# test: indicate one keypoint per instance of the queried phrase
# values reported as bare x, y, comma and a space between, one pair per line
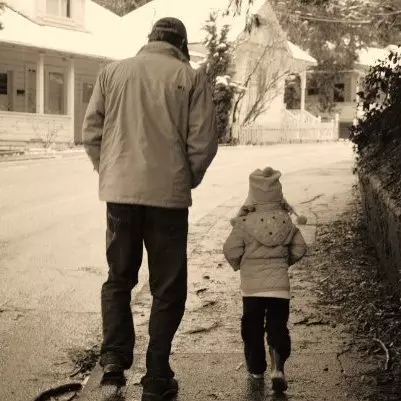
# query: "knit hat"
174, 26
264, 187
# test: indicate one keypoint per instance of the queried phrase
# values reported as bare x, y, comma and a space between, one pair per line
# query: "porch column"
71, 96
358, 108
358, 86
303, 89
40, 84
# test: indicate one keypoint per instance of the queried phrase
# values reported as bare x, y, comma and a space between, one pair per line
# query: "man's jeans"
164, 233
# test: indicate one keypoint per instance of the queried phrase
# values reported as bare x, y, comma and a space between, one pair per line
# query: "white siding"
76, 21
25, 7
17, 89
33, 127
78, 12
23, 126
86, 71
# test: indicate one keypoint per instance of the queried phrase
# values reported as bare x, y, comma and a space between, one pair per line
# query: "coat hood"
270, 228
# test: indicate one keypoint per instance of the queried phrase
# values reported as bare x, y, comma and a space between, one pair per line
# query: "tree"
219, 72
122, 7
262, 63
292, 93
1, 12
333, 32
380, 102
377, 134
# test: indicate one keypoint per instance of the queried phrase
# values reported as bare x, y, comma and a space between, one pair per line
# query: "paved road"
52, 260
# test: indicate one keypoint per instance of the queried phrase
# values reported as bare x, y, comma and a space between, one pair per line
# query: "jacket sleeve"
202, 140
92, 129
297, 247
234, 248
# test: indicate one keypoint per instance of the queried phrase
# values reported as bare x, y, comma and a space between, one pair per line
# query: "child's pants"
264, 315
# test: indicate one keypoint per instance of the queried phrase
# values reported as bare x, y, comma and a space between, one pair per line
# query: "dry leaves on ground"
356, 293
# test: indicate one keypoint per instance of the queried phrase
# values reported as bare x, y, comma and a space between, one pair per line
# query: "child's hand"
287, 207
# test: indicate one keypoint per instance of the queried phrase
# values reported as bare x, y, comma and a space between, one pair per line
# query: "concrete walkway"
207, 352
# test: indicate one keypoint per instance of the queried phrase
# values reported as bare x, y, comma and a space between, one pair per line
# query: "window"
31, 96
313, 91
3, 84
339, 93
59, 8
56, 93
87, 92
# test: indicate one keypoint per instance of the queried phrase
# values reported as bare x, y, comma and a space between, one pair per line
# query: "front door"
86, 89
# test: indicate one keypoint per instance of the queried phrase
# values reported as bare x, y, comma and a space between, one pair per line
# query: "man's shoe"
113, 374
158, 389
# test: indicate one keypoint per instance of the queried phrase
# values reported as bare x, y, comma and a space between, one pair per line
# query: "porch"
296, 126
43, 95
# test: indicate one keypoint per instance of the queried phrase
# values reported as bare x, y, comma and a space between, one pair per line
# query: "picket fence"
296, 126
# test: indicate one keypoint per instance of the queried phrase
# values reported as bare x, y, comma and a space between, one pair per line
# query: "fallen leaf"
239, 366
208, 303
201, 290
302, 321
203, 329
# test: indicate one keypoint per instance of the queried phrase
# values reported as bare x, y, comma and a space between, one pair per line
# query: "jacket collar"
163, 48
268, 206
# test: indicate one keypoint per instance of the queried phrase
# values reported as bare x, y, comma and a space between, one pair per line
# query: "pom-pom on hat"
264, 187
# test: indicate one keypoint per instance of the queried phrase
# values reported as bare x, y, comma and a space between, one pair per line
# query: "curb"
38, 157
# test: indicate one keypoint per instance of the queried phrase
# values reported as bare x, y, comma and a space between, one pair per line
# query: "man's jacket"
150, 128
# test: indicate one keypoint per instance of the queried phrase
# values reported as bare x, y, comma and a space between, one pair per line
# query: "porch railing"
296, 126
42, 129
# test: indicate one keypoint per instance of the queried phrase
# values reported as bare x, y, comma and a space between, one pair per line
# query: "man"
150, 132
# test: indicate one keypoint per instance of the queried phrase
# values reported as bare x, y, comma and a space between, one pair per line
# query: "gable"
193, 14
68, 14
99, 43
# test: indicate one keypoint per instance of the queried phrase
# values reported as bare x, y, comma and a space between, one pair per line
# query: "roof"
109, 36
193, 14
371, 55
100, 20
299, 54
20, 30
296, 52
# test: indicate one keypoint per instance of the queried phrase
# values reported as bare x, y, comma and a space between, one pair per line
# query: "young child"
262, 245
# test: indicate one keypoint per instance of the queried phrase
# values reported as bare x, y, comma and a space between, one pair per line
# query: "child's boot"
279, 383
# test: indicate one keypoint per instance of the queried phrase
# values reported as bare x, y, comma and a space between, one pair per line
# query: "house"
50, 54
52, 50
346, 88
263, 53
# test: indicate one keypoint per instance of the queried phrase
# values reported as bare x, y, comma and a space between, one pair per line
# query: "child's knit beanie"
264, 187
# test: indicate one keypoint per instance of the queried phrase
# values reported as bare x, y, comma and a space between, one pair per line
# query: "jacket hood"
270, 228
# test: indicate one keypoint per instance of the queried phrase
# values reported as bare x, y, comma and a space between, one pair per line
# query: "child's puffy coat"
262, 245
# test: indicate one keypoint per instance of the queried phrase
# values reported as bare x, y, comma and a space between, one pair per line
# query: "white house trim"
40, 84
71, 94
303, 89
